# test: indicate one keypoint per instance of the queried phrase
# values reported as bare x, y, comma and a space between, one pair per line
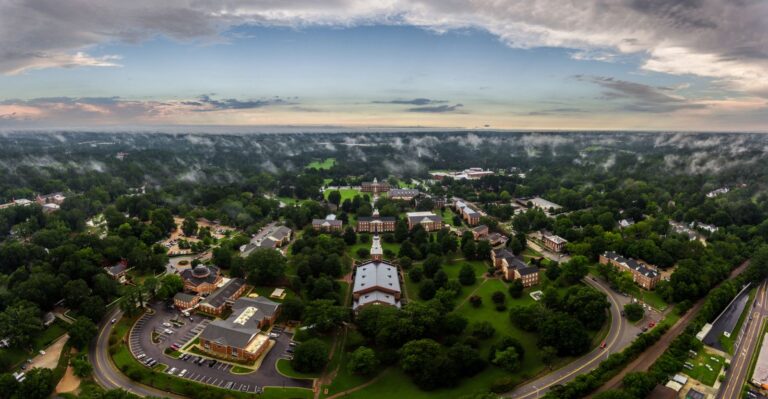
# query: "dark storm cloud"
415, 101
638, 97
437, 109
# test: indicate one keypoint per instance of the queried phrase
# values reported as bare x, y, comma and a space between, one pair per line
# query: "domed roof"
201, 271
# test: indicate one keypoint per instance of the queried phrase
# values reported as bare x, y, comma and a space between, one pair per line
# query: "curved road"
104, 371
620, 335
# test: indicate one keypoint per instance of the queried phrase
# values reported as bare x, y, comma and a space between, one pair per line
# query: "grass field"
653, 299
701, 372
346, 193
352, 249
266, 291
448, 217
324, 165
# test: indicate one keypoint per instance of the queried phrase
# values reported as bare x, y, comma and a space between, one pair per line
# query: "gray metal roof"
221, 295
376, 274
243, 324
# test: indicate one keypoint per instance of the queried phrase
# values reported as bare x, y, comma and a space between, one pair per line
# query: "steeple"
377, 253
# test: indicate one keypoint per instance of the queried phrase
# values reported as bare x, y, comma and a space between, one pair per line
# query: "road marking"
590, 361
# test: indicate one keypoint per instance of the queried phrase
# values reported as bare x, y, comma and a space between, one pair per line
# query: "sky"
686, 65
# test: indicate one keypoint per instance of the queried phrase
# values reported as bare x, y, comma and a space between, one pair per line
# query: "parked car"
166, 324
182, 373
172, 370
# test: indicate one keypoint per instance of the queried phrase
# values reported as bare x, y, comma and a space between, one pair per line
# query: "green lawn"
653, 299
448, 217
352, 249
346, 193
266, 291
701, 372
728, 342
324, 165
285, 368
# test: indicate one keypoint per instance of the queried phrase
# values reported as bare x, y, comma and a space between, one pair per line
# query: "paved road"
621, 334
649, 356
104, 371
746, 346
727, 320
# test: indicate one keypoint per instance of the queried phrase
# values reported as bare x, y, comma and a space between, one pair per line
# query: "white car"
182, 373
171, 371
168, 331
167, 325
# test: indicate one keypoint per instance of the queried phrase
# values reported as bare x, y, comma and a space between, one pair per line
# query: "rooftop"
224, 293
241, 327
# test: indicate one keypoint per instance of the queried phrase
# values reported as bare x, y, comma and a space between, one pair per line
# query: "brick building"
329, 224
643, 274
201, 279
239, 337
428, 220
216, 302
376, 223
375, 187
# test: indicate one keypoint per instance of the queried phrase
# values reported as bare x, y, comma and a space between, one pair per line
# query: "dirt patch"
51, 357
69, 383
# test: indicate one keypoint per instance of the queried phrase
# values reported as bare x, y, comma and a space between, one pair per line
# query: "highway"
104, 371
746, 346
621, 334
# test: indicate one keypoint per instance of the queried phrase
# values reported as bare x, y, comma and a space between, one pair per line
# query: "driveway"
218, 375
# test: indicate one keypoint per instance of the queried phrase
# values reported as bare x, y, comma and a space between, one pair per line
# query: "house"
329, 224
270, 237
17, 202
514, 268
118, 270
201, 279
374, 187
466, 174
376, 281
500, 255
428, 220
184, 301
496, 239
223, 296
480, 231
376, 223
239, 337
719, 191
644, 275
624, 223
529, 275
54, 198
51, 207
405, 194
553, 242
540, 203
468, 212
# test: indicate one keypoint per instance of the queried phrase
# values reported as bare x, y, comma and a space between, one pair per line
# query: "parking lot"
202, 369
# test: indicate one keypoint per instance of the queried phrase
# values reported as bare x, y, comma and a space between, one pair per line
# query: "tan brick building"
643, 274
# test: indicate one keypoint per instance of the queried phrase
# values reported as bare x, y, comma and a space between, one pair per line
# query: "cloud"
437, 109
638, 97
207, 103
721, 40
116, 109
557, 111
415, 101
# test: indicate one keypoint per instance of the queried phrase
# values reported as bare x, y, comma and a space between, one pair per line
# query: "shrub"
482, 330
476, 301
498, 297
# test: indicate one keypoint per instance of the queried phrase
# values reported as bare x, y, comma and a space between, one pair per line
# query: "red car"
651, 325
602, 346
